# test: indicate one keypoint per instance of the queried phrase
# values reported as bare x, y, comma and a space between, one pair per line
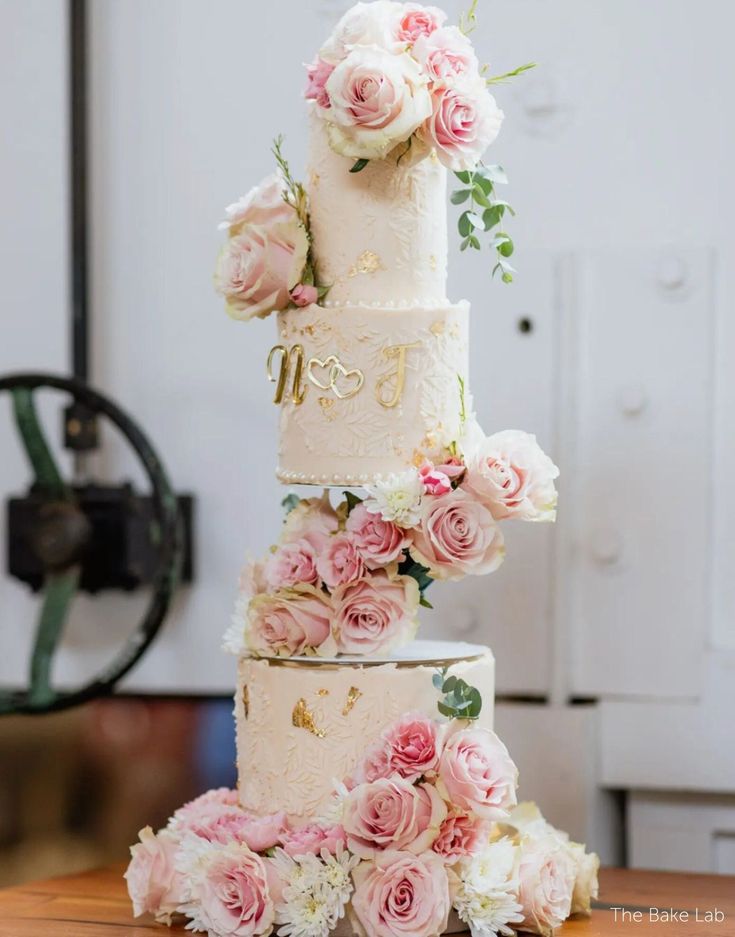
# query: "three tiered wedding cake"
374, 797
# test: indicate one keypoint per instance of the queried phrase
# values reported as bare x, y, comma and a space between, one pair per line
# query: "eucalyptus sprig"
506, 76
468, 20
290, 502
460, 700
485, 213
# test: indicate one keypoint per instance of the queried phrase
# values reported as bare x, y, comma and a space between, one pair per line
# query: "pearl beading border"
432, 303
325, 479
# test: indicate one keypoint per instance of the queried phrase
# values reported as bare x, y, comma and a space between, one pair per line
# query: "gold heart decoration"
350, 381
316, 364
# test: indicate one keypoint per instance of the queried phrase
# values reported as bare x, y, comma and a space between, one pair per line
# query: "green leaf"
464, 176
438, 680
459, 196
492, 216
290, 502
465, 243
359, 165
464, 224
418, 572
496, 174
474, 242
475, 701
445, 710
352, 501
506, 248
484, 184
480, 197
449, 684
424, 602
474, 220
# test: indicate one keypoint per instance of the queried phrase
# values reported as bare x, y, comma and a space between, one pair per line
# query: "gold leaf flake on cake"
437, 328
327, 405
322, 692
367, 262
314, 178
303, 718
432, 262
353, 695
246, 700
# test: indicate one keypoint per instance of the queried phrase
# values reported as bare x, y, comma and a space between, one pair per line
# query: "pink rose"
314, 520
435, 482
447, 56
511, 474
257, 268
364, 24
546, 873
205, 805
414, 746
154, 885
402, 895
233, 824
264, 205
378, 100
391, 813
457, 536
379, 542
229, 892
304, 294
464, 121
375, 764
476, 774
289, 622
419, 21
460, 835
340, 562
453, 467
316, 79
291, 564
374, 614
252, 579
312, 838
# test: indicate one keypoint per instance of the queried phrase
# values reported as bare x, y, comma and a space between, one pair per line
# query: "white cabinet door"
641, 484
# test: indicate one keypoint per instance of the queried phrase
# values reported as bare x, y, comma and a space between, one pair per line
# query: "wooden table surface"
95, 904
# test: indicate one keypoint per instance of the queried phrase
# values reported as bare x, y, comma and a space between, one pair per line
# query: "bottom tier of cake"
304, 723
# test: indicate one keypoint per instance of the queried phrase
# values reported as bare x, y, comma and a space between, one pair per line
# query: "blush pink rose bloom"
229, 893
257, 268
291, 564
414, 746
379, 542
476, 774
264, 205
205, 805
316, 79
375, 764
435, 482
391, 813
376, 613
364, 24
154, 885
290, 622
464, 121
312, 838
457, 536
402, 895
511, 474
461, 834
378, 100
340, 562
418, 21
236, 825
304, 294
447, 56
314, 520
546, 874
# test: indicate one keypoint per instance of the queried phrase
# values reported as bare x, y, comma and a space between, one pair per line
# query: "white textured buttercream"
288, 767
380, 234
328, 439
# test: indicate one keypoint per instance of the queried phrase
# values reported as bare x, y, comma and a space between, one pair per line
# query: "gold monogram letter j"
389, 386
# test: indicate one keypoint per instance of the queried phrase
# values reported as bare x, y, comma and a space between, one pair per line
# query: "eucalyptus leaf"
290, 502
424, 602
492, 216
449, 684
474, 242
459, 196
445, 710
482, 183
464, 224
359, 165
475, 220
496, 174
465, 244
464, 176
352, 501
438, 680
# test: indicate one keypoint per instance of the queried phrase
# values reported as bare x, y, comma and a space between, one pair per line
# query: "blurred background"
614, 631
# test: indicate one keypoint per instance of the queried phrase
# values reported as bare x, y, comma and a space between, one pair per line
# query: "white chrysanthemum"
487, 895
233, 640
315, 892
397, 498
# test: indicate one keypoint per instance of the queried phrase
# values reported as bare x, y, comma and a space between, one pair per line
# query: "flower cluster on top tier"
350, 579
427, 822
394, 79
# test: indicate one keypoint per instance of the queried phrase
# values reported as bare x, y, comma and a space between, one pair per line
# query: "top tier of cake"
379, 235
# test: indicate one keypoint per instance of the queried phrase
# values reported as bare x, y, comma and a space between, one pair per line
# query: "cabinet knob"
606, 546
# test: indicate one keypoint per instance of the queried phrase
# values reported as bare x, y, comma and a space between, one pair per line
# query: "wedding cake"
374, 797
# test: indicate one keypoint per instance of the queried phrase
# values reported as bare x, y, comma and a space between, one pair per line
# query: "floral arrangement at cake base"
426, 824
350, 579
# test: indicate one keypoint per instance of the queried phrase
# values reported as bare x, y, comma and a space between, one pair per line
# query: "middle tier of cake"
304, 723
367, 391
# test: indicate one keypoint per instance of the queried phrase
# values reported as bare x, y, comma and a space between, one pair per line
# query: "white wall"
620, 149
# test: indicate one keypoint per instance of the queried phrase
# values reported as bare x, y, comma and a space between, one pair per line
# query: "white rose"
546, 874
378, 101
512, 476
364, 24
